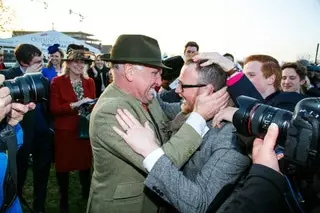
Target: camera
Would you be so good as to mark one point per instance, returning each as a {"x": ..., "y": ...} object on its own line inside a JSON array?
[
  {"x": 298, "y": 131},
  {"x": 31, "y": 87}
]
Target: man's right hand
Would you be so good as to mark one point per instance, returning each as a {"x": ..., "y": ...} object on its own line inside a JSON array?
[
  {"x": 214, "y": 57},
  {"x": 5, "y": 100},
  {"x": 34, "y": 68},
  {"x": 263, "y": 150},
  {"x": 209, "y": 105}
]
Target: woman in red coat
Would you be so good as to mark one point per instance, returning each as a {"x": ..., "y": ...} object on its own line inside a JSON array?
[{"x": 67, "y": 93}]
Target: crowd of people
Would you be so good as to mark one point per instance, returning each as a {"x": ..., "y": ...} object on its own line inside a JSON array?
[{"x": 162, "y": 134}]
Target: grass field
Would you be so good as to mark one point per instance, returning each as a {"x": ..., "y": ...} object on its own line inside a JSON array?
[{"x": 76, "y": 203}]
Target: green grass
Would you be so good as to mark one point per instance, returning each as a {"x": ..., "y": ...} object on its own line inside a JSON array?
[{"x": 76, "y": 203}]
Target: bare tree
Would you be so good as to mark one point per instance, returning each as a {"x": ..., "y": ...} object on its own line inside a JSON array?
[{"x": 6, "y": 17}]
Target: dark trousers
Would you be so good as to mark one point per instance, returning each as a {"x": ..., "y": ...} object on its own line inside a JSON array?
[
  {"x": 42, "y": 152},
  {"x": 63, "y": 182}
]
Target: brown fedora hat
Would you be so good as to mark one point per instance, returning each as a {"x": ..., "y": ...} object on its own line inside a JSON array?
[
  {"x": 75, "y": 55},
  {"x": 136, "y": 49}
]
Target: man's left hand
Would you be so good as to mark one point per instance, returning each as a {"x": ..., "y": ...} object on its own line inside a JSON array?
[
  {"x": 17, "y": 111},
  {"x": 208, "y": 105},
  {"x": 140, "y": 138}
]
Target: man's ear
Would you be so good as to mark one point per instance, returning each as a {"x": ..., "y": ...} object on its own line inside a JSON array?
[
  {"x": 271, "y": 79},
  {"x": 302, "y": 82},
  {"x": 210, "y": 89},
  {"x": 128, "y": 72}
]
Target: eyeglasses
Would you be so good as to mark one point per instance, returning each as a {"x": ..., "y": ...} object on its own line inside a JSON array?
[{"x": 182, "y": 86}]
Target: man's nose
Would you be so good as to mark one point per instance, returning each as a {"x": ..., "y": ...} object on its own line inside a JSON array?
[
  {"x": 287, "y": 80},
  {"x": 158, "y": 81}
]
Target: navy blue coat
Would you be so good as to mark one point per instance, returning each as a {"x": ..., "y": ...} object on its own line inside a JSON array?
[{"x": 282, "y": 100}]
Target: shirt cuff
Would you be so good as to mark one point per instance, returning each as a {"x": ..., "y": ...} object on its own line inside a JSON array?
[
  {"x": 197, "y": 122},
  {"x": 152, "y": 158}
]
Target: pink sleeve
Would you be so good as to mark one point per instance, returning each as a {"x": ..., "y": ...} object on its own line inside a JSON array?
[{"x": 234, "y": 78}]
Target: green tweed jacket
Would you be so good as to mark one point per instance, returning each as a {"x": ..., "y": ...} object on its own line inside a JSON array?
[{"x": 117, "y": 182}]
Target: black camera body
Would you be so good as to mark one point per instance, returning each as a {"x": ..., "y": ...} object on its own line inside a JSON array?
[
  {"x": 31, "y": 87},
  {"x": 299, "y": 134}
]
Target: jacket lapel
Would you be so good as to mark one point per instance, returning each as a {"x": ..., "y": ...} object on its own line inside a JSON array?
[{"x": 154, "y": 109}]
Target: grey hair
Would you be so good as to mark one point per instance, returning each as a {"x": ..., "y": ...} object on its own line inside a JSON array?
[
  {"x": 116, "y": 66},
  {"x": 120, "y": 66},
  {"x": 211, "y": 74}
]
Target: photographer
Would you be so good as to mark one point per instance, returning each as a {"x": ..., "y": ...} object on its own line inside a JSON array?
[
  {"x": 264, "y": 188},
  {"x": 10, "y": 140},
  {"x": 30, "y": 59}
]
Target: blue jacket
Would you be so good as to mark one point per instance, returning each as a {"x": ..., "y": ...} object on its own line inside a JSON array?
[{"x": 15, "y": 207}]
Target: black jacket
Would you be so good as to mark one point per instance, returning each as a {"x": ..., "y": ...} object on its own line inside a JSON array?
[
  {"x": 100, "y": 79},
  {"x": 263, "y": 192}
]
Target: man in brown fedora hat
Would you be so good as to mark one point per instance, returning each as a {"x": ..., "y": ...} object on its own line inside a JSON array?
[{"x": 117, "y": 182}]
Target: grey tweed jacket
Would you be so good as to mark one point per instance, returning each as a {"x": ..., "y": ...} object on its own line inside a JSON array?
[{"x": 215, "y": 164}]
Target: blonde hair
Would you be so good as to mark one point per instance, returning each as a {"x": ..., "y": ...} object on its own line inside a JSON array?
[{"x": 65, "y": 70}]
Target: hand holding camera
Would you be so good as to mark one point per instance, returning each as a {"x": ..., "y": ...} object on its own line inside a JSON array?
[
  {"x": 5, "y": 100},
  {"x": 299, "y": 132},
  {"x": 13, "y": 111},
  {"x": 263, "y": 150}
]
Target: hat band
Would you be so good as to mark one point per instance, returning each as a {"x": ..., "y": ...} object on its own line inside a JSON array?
[{"x": 136, "y": 59}]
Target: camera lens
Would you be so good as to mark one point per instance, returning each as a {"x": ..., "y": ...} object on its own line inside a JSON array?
[
  {"x": 254, "y": 118},
  {"x": 261, "y": 116},
  {"x": 31, "y": 87}
]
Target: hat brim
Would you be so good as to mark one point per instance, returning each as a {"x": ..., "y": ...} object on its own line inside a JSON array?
[
  {"x": 150, "y": 64},
  {"x": 77, "y": 59}
]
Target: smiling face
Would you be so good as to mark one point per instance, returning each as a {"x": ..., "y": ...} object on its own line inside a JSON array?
[
  {"x": 188, "y": 75},
  {"x": 99, "y": 63},
  {"x": 190, "y": 51},
  {"x": 290, "y": 81},
  {"x": 145, "y": 79},
  {"x": 55, "y": 58},
  {"x": 253, "y": 72},
  {"x": 76, "y": 67}
]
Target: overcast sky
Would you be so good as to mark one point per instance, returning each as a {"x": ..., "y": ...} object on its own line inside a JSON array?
[{"x": 285, "y": 29}]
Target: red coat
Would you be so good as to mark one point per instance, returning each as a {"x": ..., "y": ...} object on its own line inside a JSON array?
[{"x": 71, "y": 153}]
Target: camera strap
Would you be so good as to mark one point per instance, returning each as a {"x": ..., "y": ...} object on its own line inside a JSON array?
[{"x": 9, "y": 145}]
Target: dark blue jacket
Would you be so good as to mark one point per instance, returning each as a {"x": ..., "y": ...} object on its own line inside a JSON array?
[{"x": 282, "y": 100}]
